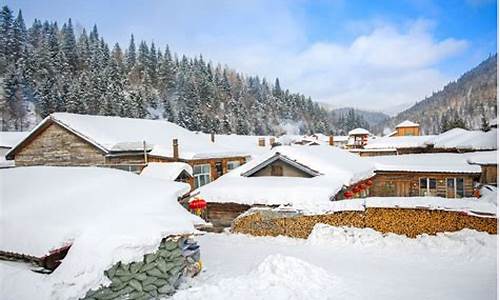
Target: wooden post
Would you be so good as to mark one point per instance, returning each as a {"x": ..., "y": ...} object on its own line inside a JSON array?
[
  {"x": 175, "y": 146},
  {"x": 330, "y": 140},
  {"x": 262, "y": 142},
  {"x": 212, "y": 137},
  {"x": 145, "y": 152}
]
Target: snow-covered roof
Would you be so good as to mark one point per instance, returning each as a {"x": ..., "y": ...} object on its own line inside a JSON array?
[
  {"x": 337, "y": 167},
  {"x": 482, "y": 157},
  {"x": 166, "y": 171},
  {"x": 243, "y": 143},
  {"x": 107, "y": 215},
  {"x": 115, "y": 133},
  {"x": 407, "y": 123},
  {"x": 358, "y": 131},
  {"x": 9, "y": 139},
  {"x": 429, "y": 162},
  {"x": 399, "y": 142},
  {"x": 466, "y": 139}
]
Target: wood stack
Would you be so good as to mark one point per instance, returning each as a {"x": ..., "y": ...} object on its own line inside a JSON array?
[
  {"x": 409, "y": 222},
  {"x": 157, "y": 276}
]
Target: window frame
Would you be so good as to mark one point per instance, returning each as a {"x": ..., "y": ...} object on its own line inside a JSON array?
[
  {"x": 428, "y": 189},
  {"x": 455, "y": 187},
  {"x": 197, "y": 176},
  {"x": 231, "y": 162}
]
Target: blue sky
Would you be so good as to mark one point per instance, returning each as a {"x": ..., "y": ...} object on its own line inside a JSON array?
[{"x": 367, "y": 54}]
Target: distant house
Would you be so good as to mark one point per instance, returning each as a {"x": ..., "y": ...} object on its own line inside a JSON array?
[
  {"x": 9, "y": 139},
  {"x": 407, "y": 128},
  {"x": 64, "y": 139},
  {"x": 287, "y": 175},
  {"x": 447, "y": 175},
  {"x": 358, "y": 138},
  {"x": 456, "y": 140}
]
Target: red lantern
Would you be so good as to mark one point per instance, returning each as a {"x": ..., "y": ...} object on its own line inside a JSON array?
[
  {"x": 348, "y": 194},
  {"x": 362, "y": 186},
  {"x": 197, "y": 205},
  {"x": 369, "y": 182},
  {"x": 356, "y": 190}
]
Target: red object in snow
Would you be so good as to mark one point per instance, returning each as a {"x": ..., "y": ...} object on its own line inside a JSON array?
[
  {"x": 198, "y": 204},
  {"x": 356, "y": 190},
  {"x": 369, "y": 182},
  {"x": 348, "y": 194}
]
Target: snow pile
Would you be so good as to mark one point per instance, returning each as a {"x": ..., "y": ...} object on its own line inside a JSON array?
[
  {"x": 109, "y": 132},
  {"x": 277, "y": 277},
  {"x": 482, "y": 157},
  {"x": 429, "y": 162},
  {"x": 467, "y": 241},
  {"x": 489, "y": 194},
  {"x": 9, "y": 139},
  {"x": 108, "y": 216},
  {"x": 166, "y": 171},
  {"x": 337, "y": 168},
  {"x": 466, "y": 139}
]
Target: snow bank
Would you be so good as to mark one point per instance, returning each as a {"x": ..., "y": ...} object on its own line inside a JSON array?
[
  {"x": 277, "y": 277},
  {"x": 429, "y": 162},
  {"x": 489, "y": 194},
  {"x": 166, "y": 171},
  {"x": 108, "y": 216},
  {"x": 467, "y": 241},
  {"x": 337, "y": 168}
]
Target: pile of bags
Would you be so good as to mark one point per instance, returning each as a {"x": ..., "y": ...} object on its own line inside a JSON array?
[{"x": 158, "y": 275}]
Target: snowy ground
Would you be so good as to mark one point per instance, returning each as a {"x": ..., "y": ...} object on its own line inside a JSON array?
[{"x": 346, "y": 264}]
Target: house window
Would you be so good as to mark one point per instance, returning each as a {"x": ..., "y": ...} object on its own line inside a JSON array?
[
  {"x": 428, "y": 187},
  {"x": 201, "y": 174},
  {"x": 218, "y": 169},
  {"x": 455, "y": 188},
  {"x": 276, "y": 171},
  {"x": 233, "y": 164}
]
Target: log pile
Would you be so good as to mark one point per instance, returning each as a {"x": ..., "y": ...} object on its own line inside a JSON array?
[
  {"x": 409, "y": 222},
  {"x": 158, "y": 275}
]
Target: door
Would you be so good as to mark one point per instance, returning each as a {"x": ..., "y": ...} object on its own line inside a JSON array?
[{"x": 402, "y": 188}]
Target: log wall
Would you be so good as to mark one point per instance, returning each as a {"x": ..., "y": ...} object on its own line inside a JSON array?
[{"x": 409, "y": 222}]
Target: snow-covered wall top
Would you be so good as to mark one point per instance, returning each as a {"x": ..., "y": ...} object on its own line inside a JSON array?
[
  {"x": 108, "y": 215},
  {"x": 429, "y": 162},
  {"x": 338, "y": 168}
]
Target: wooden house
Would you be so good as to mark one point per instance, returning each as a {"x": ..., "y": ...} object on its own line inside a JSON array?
[
  {"x": 287, "y": 175},
  {"x": 64, "y": 139},
  {"x": 446, "y": 175},
  {"x": 488, "y": 161},
  {"x": 407, "y": 128}
]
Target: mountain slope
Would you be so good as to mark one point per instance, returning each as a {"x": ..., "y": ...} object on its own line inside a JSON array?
[
  {"x": 470, "y": 97},
  {"x": 371, "y": 117}
]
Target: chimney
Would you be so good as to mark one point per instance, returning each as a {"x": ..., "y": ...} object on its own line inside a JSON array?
[
  {"x": 271, "y": 141},
  {"x": 212, "y": 137},
  {"x": 175, "y": 146},
  {"x": 330, "y": 140},
  {"x": 262, "y": 142}
]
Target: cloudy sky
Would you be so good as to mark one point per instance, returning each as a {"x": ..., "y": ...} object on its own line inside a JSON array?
[{"x": 368, "y": 54}]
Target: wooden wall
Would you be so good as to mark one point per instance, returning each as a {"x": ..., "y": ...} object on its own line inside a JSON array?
[
  {"x": 288, "y": 170},
  {"x": 58, "y": 146},
  {"x": 489, "y": 174},
  {"x": 408, "y": 131},
  {"x": 392, "y": 184}
]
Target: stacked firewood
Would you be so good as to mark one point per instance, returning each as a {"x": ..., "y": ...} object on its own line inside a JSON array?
[
  {"x": 409, "y": 222},
  {"x": 157, "y": 275}
]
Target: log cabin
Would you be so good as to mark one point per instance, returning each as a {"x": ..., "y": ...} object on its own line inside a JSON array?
[
  {"x": 488, "y": 161},
  {"x": 64, "y": 139},
  {"x": 407, "y": 128},
  {"x": 447, "y": 175}
]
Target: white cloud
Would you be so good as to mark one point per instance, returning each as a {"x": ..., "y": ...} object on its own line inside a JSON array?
[{"x": 384, "y": 65}]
